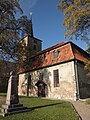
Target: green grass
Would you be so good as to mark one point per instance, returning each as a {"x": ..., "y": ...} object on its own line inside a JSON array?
[
  {"x": 3, "y": 94},
  {"x": 88, "y": 101},
  {"x": 43, "y": 109}
]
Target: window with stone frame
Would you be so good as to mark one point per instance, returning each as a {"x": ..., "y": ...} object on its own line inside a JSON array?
[
  {"x": 56, "y": 53},
  {"x": 35, "y": 41},
  {"x": 56, "y": 77},
  {"x": 42, "y": 58},
  {"x": 29, "y": 81},
  {"x": 28, "y": 84},
  {"x": 35, "y": 47}
]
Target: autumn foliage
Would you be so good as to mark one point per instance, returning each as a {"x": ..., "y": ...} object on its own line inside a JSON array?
[{"x": 77, "y": 18}]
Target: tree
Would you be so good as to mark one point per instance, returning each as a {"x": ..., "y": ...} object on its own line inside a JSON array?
[
  {"x": 11, "y": 29},
  {"x": 77, "y": 18},
  {"x": 88, "y": 50}
]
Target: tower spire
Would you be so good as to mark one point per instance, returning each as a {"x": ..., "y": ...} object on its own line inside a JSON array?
[
  {"x": 31, "y": 25},
  {"x": 30, "y": 15}
]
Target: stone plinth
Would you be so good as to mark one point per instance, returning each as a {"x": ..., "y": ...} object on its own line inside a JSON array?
[
  {"x": 13, "y": 109},
  {"x": 12, "y": 105}
]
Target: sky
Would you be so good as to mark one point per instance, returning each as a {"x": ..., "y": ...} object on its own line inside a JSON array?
[{"x": 47, "y": 22}]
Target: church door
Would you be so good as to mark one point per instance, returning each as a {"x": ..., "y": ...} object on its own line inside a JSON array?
[{"x": 41, "y": 90}]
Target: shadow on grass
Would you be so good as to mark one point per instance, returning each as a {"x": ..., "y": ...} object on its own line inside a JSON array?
[
  {"x": 29, "y": 109},
  {"x": 36, "y": 107}
]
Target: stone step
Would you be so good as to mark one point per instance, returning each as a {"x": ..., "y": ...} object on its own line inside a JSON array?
[
  {"x": 17, "y": 105},
  {"x": 11, "y": 106},
  {"x": 15, "y": 112},
  {"x": 16, "y": 109}
]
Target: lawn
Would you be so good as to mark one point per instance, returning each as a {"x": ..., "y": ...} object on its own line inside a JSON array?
[
  {"x": 88, "y": 101},
  {"x": 43, "y": 109}
]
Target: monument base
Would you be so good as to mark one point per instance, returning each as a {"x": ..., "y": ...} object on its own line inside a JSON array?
[{"x": 12, "y": 109}]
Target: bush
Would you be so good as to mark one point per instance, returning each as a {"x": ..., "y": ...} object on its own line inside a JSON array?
[{"x": 3, "y": 84}]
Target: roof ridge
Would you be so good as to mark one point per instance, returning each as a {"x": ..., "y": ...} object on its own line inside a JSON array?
[
  {"x": 72, "y": 50},
  {"x": 50, "y": 48}
]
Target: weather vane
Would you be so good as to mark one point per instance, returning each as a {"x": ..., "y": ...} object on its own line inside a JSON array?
[{"x": 31, "y": 15}]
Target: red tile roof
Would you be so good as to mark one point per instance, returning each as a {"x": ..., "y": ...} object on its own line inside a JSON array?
[{"x": 67, "y": 51}]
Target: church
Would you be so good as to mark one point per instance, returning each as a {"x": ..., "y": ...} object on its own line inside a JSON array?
[{"x": 57, "y": 72}]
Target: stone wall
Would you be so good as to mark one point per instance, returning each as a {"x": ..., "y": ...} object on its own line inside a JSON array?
[{"x": 29, "y": 47}]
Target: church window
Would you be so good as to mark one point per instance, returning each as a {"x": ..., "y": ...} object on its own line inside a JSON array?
[
  {"x": 56, "y": 78},
  {"x": 34, "y": 47},
  {"x": 29, "y": 81},
  {"x": 35, "y": 41},
  {"x": 56, "y": 54},
  {"x": 42, "y": 57}
]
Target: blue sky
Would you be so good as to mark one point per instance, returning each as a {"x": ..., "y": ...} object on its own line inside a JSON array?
[{"x": 47, "y": 22}]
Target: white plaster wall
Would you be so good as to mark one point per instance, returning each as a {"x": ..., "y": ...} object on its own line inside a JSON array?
[
  {"x": 25, "y": 41},
  {"x": 22, "y": 86},
  {"x": 67, "y": 82}
]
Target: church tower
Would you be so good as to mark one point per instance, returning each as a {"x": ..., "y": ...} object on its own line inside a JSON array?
[{"x": 29, "y": 45}]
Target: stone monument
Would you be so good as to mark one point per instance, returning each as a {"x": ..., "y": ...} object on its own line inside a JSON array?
[
  {"x": 12, "y": 105},
  {"x": 12, "y": 92}
]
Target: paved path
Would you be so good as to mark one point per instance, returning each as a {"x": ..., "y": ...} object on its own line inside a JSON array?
[{"x": 82, "y": 108}]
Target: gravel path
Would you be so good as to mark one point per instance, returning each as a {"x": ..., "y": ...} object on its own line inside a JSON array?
[{"x": 82, "y": 108}]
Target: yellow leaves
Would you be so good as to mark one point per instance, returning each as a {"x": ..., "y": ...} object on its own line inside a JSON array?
[
  {"x": 68, "y": 33},
  {"x": 77, "y": 17},
  {"x": 71, "y": 8},
  {"x": 73, "y": 15}
]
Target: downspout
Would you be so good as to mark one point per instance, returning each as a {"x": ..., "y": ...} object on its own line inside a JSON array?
[{"x": 77, "y": 80}]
